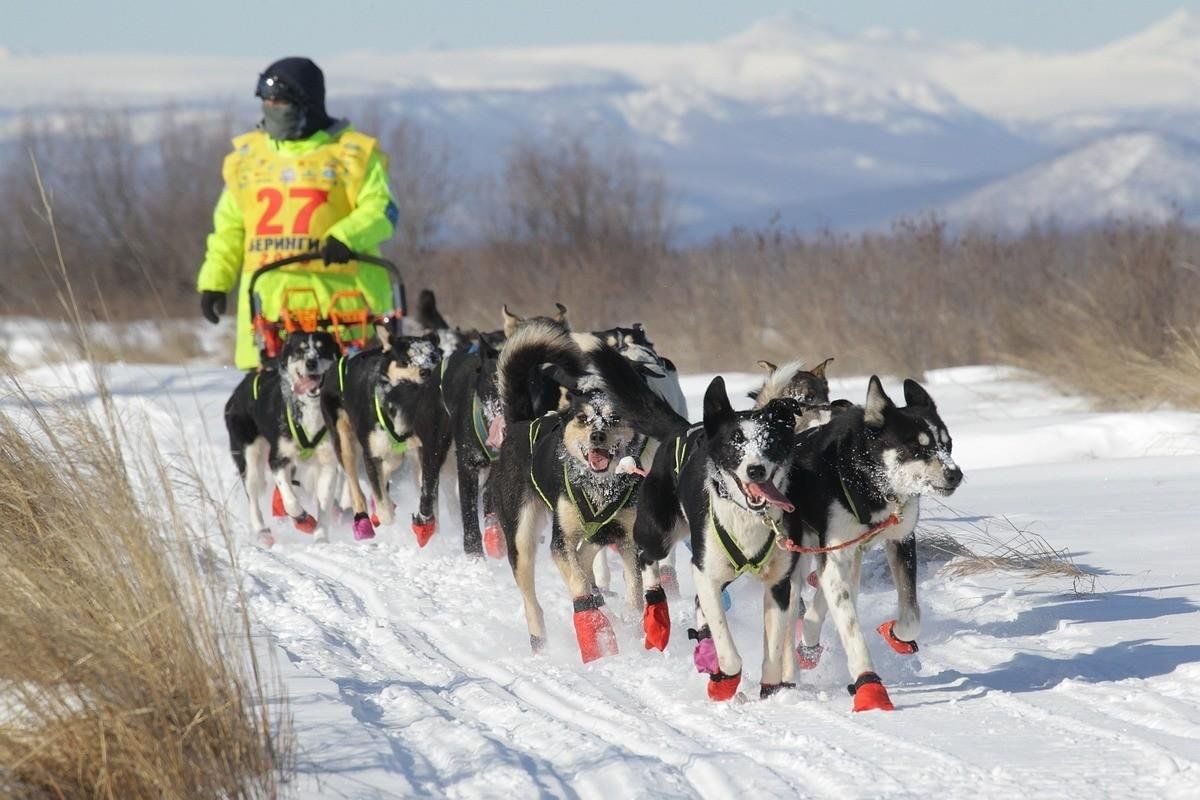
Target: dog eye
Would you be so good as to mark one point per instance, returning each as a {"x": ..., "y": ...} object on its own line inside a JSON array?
[
  {"x": 581, "y": 419},
  {"x": 614, "y": 420}
]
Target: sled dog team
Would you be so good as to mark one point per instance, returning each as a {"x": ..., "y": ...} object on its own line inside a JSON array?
[{"x": 589, "y": 432}]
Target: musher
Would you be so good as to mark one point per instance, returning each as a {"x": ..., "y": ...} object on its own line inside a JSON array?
[{"x": 302, "y": 182}]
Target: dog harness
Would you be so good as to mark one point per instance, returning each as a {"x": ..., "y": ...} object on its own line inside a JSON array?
[
  {"x": 593, "y": 519},
  {"x": 480, "y": 426},
  {"x": 871, "y": 532},
  {"x": 399, "y": 442},
  {"x": 305, "y": 445},
  {"x": 741, "y": 564}
]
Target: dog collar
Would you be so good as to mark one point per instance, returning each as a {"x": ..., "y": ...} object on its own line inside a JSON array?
[{"x": 399, "y": 443}]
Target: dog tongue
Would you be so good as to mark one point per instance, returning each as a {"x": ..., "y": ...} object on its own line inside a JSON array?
[
  {"x": 304, "y": 385},
  {"x": 767, "y": 491},
  {"x": 598, "y": 459},
  {"x": 495, "y": 436}
]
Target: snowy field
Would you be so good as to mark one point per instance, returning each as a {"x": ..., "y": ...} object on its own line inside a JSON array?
[{"x": 409, "y": 673}]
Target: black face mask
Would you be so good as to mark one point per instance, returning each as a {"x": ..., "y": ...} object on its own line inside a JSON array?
[{"x": 284, "y": 121}]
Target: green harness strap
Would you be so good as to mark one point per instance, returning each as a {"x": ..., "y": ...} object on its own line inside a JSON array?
[
  {"x": 399, "y": 443},
  {"x": 680, "y": 451},
  {"x": 736, "y": 557},
  {"x": 300, "y": 436},
  {"x": 341, "y": 368},
  {"x": 478, "y": 423},
  {"x": 593, "y": 520}
]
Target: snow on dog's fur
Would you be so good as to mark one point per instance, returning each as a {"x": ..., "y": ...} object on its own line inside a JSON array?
[
  {"x": 561, "y": 462},
  {"x": 867, "y": 464}
]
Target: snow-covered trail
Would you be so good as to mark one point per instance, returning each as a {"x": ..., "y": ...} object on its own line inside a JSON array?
[{"x": 409, "y": 673}]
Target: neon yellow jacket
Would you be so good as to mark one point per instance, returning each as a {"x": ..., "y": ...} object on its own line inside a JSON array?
[{"x": 370, "y": 222}]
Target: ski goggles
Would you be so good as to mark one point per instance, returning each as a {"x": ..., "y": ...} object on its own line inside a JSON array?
[{"x": 272, "y": 87}]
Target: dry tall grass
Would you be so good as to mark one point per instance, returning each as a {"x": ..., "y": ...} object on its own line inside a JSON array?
[{"x": 127, "y": 669}]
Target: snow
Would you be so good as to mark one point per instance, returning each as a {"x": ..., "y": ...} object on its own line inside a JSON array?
[{"x": 408, "y": 671}]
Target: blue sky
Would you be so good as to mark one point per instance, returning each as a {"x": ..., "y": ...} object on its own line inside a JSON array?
[{"x": 249, "y": 28}]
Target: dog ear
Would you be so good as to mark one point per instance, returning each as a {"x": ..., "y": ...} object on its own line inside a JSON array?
[
  {"x": 511, "y": 321},
  {"x": 915, "y": 395},
  {"x": 385, "y": 329},
  {"x": 878, "y": 403},
  {"x": 561, "y": 317},
  {"x": 819, "y": 369},
  {"x": 717, "y": 409},
  {"x": 840, "y": 406},
  {"x": 768, "y": 366},
  {"x": 433, "y": 338}
]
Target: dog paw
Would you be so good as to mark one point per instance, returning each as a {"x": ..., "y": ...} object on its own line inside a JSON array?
[
  {"x": 593, "y": 630},
  {"x": 722, "y": 687},
  {"x": 768, "y": 689},
  {"x": 807, "y": 657},
  {"x": 537, "y": 644},
  {"x": 266, "y": 538},
  {"x": 362, "y": 528},
  {"x": 656, "y": 620},
  {"x": 423, "y": 529},
  {"x": 277, "y": 509},
  {"x": 493, "y": 537},
  {"x": 305, "y": 523},
  {"x": 705, "y": 654},
  {"x": 869, "y": 694},
  {"x": 888, "y": 631}
]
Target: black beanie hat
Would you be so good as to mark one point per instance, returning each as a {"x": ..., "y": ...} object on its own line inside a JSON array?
[{"x": 299, "y": 80}]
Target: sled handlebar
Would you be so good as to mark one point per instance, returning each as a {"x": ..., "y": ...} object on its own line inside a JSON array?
[{"x": 399, "y": 298}]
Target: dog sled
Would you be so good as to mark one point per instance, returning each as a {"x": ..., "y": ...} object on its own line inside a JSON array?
[{"x": 347, "y": 315}]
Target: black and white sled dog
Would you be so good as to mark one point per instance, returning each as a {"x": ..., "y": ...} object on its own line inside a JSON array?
[
  {"x": 565, "y": 463},
  {"x": 855, "y": 481},
  {"x": 724, "y": 483},
  {"x": 274, "y": 422},
  {"x": 380, "y": 405}
]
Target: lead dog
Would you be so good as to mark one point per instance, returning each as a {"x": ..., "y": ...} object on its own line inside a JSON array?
[{"x": 855, "y": 481}]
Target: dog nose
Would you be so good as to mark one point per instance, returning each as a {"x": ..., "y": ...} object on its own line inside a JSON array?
[
  {"x": 756, "y": 472},
  {"x": 954, "y": 476},
  {"x": 599, "y": 437},
  {"x": 311, "y": 364}
]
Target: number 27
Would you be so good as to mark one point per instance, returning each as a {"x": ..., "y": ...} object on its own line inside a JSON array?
[{"x": 274, "y": 199}]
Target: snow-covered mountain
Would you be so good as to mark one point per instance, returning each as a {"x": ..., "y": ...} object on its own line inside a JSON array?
[{"x": 786, "y": 116}]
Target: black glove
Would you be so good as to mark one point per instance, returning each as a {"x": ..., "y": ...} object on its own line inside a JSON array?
[
  {"x": 334, "y": 252},
  {"x": 212, "y": 305}
]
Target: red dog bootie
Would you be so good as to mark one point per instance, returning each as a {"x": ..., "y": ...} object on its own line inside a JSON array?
[
  {"x": 656, "y": 619},
  {"x": 807, "y": 657},
  {"x": 869, "y": 694},
  {"x": 722, "y": 687},
  {"x": 593, "y": 630},
  {"x": 362, "y": 528},
  {"x": 493, "y": 537},
  {"x": 305, "y": 523},
  {"x": 277, "y": 508},
  {"x": 423, "y": 529},
  {"x": 888, "y": 631}
]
